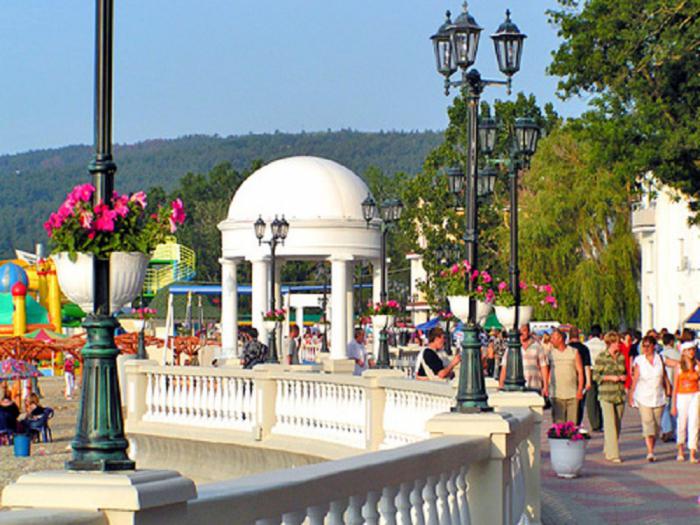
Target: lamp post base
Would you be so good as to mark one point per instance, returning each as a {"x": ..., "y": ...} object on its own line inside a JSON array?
[
  {"x": 272, "y": 347},
  {"x": 99, "y": 443},
  {"x": 141, "y": 347},
  {"x": 515, "y": 379},
  {"x": 471, "y": 392},
  {"x": 383, "y": 357}
]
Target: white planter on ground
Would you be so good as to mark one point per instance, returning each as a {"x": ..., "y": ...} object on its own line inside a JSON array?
[
  {"x": 126, "y": 274},
  {"x": 506, "y": 315},
  {"x": 270, "y": 325},
  {"x": 459, "y": 306},
  {"x": 567, "y": 456}
]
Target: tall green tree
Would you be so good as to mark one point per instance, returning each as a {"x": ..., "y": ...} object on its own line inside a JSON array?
[
  {"x": 575, "y": 232},
  {"x": 640, "y": 62}
]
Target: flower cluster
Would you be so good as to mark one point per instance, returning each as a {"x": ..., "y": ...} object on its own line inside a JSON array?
[
  {"x": 275, "y": 315},
  {"x": 566, "y": 430},
  {"x": 122, "y": 224},
  {"x": 446, "y": 315},
  {"x": 530, "y": 294},
  {"x": 146, "y": 313},
  {"x": 390, "y": 307},
  {"x": 452, "y": 281}
]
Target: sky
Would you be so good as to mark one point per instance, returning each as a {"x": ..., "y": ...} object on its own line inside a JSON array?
[{"x": 233, "y": 67}]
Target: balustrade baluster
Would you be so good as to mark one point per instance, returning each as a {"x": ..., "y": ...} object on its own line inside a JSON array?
[
  {"x": 177, "y": 399},
  {"x": 369, "y": 509},
  {"x": 206, "y": 398},
  {"x": 297, "y": 407},
  {"x": 249, "y": 406},
  {"x": 317, "y": 514},
  {"x": 452, "y": 497},
  {"x": 336, "y": 516},
  {"x": 226, "y": 402},
  {"x": 416, "y": 498},
  {"x": 161, "y": 396},
  {"x": 294, "y": 518},
  {"x": 443, "y": 505},
  {"x": 462, "y": 502},
  {"x": 149, "y": 396},
  {"x": 387, "y": 509},
  {"x": 353, "y": 516},
  {"x": 429, "y": 506},
  {"x": 403, "y": 504},
  {"x": 217, "y": 414}
]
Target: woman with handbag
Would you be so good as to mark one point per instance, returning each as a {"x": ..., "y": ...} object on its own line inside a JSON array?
[{"x": 649, "y": 392}]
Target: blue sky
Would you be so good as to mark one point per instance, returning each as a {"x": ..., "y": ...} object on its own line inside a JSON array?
[{"x": 238, "y": 66}]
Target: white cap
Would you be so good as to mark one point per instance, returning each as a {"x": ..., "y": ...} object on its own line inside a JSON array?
[{"x": 687, "y": 345}]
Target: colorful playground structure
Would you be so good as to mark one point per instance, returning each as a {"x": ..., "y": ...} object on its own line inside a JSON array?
[{"x": 171, "y": 262}]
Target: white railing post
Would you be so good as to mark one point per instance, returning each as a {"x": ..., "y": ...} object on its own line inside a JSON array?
[
  {"x": 530, "y": 461},
  {"x": 265, "y": 399},
  {"x": 488, "y": 480},
  {"x": 375, "y": 399},
  {"x": 136, "y": 386}
]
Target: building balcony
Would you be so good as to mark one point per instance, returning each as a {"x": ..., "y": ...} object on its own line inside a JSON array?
[{"x": 643, "y": 219}]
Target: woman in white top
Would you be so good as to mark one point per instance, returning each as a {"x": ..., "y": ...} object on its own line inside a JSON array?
[{"x": 649, "y": 391}]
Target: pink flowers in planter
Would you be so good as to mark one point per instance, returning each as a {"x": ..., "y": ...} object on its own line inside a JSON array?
[
  {"x": 277, "y": 314},
  {"x": 121, "y": 224},
  {"x": 567, "y": 430}
]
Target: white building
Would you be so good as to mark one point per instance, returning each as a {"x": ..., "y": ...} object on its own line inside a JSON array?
[{"x": 670, "y": 251}]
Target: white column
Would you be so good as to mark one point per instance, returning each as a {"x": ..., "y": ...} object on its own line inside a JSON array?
[
  {"x": 260, "y": 285},
  {"x": 339, "y": 333},
  {"x": 300, "y": 319},
  {"x": 278, "y": 302},
  {"x": 229, "y": 308},
  {"x": 376, "y": 297},
  {"x": 350, "y": 306}
]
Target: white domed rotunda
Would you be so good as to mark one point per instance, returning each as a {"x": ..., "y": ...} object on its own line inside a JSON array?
[{"x": 322, "y": 201}]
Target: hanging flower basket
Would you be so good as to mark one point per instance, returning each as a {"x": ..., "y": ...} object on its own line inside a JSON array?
[
  {"x": 382, "y": 321},
  {"x": 506, "y": 315},
  {"x": 269, "y": 325},
  {"x": 126, "y": 274},
  {"x": 459, "y": 306}
]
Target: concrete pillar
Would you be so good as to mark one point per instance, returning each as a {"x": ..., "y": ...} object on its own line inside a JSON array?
[
  {"x": 229, "y": 308},
  {"x": 260, "y": 297},
  {"x": 339, "y": 332},
  {"x": 300, "y": 319},
  {"x": 278, "y": 301},
  {"x": 350, "y": 299}
]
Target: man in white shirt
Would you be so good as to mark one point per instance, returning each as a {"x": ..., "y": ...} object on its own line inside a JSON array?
[{"x": 356, "y": 351}]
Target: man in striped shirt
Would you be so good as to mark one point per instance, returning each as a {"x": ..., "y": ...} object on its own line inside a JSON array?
[{"x": 535, "y": 364}]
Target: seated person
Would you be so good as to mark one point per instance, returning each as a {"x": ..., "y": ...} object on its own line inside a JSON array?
[
  {"x": 8, "y": 414},
  {"x": 32, "y": 411},
  {"x": 254, "y": 352},
  {"x": 428, "y": 363}
]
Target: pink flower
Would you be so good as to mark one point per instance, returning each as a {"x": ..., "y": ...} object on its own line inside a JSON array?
[
  {"x": 502, "y": 286},
  {"x": 548, "y": 289},
  {"x": 490, "y": 295},
  {"x": 86, "y": 218},
  {"x": 121, "y": 207},
  {"x": 523, "y": 285},
  {"x": 486, "y": 277},
  {"x": 474, "y": 275},
  {"x": 455, "y": 269},
  {"x": 139, "y": 198},
  {"x": 105, "y": 218},
  {"x": 178, "y": 214},
  {"x": 66, "y": 210},
  {"x": 82, "y": 193},
  {"x": 479, "y": 289},
  {"x": 467, "y": 265}
]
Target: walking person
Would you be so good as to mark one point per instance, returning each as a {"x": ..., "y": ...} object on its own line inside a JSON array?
[
  {"x": 585, "y": 354},
  {"x": 610, "y": 373},
  {"x": 649, "y": 390},
  {"x": 595, "y": 346},
  {"x": 685, "y": 402},
  {"x": 535, "y": 365},
  {"x": 293, "y": 346},
  {"x": 566, "y": 379},
  {"x": 69, "y": 376},
  {"x": 671, "y": 357}
]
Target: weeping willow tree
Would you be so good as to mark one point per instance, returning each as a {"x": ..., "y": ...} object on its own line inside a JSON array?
[{"x": 575, "y": 232}]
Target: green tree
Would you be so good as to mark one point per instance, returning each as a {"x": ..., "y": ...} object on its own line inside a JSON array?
[
  {"x": 640, "y": 61},
  {"x": 575, "y": 233}
]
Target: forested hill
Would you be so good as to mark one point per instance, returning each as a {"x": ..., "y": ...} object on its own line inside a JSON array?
[{"x": 35, "y": 182}]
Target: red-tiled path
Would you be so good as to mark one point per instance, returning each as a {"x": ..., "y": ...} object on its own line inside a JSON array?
[{"x": 634, "y": 492}]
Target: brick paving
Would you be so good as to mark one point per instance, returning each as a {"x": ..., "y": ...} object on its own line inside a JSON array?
[{"x": 633, "y": 492}]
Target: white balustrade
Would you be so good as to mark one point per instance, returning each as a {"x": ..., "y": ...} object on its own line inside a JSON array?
[
  {"x": 315, "y": 409},
  {"x": 406, "y": 412},
  {"x": 202, "y": 400}
]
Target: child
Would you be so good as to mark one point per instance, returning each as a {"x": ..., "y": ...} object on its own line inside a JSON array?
[
  {"x": 685, "y": 401},
  {"x": 69, "y": 375}
]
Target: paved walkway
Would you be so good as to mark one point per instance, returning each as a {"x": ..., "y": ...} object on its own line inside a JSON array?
[{"x": 665, "y": 492}]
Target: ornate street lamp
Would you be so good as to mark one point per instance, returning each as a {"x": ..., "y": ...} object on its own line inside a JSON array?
[
  {"x": 391, "y": 213},
  {"x": 324, "y": 305},
  {"x": 99, "y": 442},
  {"x": 464, "y": 42},
  {"x": 278, "y": 233},
  {"x": 525, "y": 136}
]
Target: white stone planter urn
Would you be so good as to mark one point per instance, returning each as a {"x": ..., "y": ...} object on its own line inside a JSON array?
[
  {"x": 269, "y": 325},
  {"x": 127, "y": 271},
  {"x": 506, "y": 315},
  {"x": 567, "y": 456},
  {"x": 380, "y": 322},
  {"x": 459, "y": 306}
]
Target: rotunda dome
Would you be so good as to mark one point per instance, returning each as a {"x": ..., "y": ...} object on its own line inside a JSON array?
[
  {"x": 300, "y": 188},
  {"x": 10, "y": 274}
]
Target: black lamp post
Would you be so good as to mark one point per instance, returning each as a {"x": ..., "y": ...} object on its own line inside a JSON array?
[
  {"x": 278, "y": 233},
  {"x": 390, "y": 211},
  {"x": 99, "y": 442},
  {"x": 526, "y": 135},
  {"x": 455, "y": 45}
]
